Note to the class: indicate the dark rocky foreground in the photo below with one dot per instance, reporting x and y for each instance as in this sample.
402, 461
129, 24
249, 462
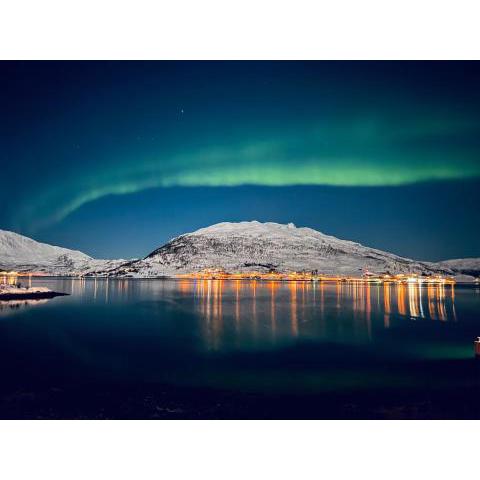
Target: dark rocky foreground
102, 401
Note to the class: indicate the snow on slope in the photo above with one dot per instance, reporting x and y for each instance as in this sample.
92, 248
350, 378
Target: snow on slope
255, 246
21, 253
235, 247
466, 266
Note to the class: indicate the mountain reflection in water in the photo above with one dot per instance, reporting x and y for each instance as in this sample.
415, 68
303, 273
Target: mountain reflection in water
8, 306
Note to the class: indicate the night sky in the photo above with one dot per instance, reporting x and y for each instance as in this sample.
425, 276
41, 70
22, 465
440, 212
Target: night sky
115, 158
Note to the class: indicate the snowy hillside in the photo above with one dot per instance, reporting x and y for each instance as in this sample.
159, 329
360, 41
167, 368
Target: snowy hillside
21, 253
233, 247
466, 266
255, 246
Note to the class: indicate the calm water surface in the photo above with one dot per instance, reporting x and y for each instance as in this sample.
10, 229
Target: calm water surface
248, 336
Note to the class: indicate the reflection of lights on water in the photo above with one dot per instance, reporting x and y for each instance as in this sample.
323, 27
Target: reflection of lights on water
300, 303
322, 299
441, 302
402, 310
8, 306
237, 303
412, 300
386, 304
431, 301
420, 293
293, 307
273, 286
274, 310
368, 311
253, 287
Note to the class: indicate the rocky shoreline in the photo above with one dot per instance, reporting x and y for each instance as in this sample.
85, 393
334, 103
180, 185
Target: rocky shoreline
14, 292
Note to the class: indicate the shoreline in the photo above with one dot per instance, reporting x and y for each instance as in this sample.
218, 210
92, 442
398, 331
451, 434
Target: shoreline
166, 401
31, 295
346, 280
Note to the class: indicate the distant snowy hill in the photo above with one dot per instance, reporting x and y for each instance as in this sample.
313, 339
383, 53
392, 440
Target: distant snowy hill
255, 246
21, 253
233, 247
466, 266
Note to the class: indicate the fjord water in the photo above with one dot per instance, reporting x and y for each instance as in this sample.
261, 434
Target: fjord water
256, 337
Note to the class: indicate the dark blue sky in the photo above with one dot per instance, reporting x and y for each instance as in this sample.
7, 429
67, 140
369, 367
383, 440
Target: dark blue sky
114, 158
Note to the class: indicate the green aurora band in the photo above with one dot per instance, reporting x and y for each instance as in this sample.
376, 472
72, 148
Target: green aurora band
364, 154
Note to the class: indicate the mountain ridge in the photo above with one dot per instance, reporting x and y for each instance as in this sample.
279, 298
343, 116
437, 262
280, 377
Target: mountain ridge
231, 246
465, 266
21, 253
247, 246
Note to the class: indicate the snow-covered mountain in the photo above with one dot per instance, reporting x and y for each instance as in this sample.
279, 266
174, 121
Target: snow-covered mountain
255, 246
233, 247
466, 266
21, 253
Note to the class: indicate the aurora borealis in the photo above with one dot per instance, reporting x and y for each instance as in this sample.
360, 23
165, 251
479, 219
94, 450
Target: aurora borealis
95, 137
